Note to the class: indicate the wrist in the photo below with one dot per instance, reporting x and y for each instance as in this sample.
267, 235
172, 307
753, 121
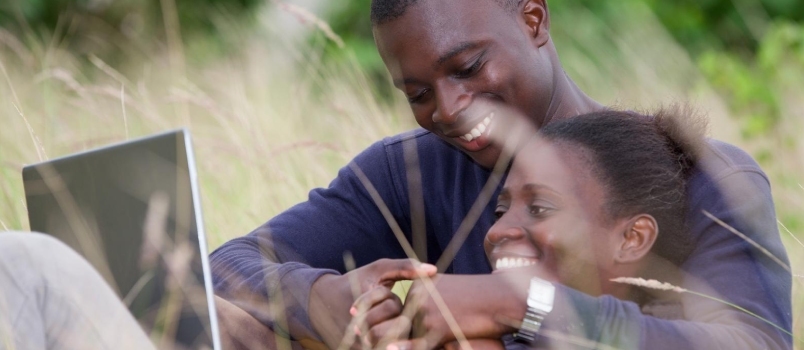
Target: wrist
510, 304
541, 297
328, 307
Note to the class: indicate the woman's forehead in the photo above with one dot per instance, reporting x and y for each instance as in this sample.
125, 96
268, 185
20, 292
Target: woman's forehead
562, 168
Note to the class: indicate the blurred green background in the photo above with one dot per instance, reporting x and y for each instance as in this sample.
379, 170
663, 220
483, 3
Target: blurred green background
280, 94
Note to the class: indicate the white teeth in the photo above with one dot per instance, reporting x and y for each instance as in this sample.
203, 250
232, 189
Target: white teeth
509, 263
478, 130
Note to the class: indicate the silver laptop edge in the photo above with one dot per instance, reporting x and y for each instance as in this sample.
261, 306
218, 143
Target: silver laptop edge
202, 240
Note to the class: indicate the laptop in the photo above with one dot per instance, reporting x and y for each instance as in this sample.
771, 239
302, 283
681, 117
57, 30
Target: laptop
133, 211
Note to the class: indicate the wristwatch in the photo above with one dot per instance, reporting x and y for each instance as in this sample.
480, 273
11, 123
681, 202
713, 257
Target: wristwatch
541, 295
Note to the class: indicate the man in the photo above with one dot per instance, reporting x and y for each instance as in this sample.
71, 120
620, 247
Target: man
458, 61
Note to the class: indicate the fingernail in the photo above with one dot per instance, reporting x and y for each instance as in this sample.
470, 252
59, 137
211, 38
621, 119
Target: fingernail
392, 347
353, 311
428, 268
357, 330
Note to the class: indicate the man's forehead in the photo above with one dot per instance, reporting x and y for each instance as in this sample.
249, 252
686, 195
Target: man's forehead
426, 32
383, 11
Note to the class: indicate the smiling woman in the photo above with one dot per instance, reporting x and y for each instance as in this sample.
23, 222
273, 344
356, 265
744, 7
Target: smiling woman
596, 197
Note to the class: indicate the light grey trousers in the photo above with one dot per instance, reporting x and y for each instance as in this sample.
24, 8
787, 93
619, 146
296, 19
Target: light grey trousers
51, 298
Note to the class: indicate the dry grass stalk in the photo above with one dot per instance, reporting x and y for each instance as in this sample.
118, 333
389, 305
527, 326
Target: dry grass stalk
649, 283
654, 284
749, 240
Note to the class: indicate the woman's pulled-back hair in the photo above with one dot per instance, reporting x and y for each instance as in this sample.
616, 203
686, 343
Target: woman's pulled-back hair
643, 162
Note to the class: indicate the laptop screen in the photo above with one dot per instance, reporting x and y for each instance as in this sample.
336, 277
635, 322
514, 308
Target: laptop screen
131, 211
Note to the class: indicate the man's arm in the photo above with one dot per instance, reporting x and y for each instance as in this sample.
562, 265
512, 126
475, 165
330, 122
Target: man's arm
270, 272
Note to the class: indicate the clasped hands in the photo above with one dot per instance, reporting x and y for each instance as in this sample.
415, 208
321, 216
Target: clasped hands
440, 311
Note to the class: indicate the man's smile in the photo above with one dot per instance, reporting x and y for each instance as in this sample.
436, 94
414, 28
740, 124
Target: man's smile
472, 137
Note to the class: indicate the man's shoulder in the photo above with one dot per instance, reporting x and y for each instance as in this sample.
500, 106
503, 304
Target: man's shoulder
721, 159
726, 172
391, 147
419, 135
429, 148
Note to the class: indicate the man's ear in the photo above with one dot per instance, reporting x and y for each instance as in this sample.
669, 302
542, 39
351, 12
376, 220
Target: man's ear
537, 20
638, 238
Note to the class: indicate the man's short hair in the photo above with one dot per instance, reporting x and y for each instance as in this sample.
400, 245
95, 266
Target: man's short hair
387, 10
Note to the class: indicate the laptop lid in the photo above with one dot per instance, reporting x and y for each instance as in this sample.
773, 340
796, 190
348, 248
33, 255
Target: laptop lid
133, 211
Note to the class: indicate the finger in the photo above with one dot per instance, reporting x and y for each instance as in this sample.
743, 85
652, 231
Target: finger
389, 331
476, 344
412, 344
391, 271
386, 310
373, 297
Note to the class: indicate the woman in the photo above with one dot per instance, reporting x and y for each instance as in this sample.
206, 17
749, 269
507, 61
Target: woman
588, 198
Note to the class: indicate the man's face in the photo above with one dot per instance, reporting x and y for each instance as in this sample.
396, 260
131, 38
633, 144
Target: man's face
455, 60
550, 214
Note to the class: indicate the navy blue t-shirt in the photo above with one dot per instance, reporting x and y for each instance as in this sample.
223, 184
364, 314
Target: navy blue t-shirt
288, 253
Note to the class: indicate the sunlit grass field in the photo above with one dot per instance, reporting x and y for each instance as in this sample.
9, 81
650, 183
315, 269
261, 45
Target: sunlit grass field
276, 118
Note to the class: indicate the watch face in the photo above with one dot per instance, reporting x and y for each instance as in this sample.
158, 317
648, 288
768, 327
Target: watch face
541, 295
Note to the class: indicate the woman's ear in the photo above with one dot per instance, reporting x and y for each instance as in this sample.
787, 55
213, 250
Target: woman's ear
638, 238
537, 20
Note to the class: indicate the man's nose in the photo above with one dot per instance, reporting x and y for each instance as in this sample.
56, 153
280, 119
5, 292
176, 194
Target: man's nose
502, 231
451, 101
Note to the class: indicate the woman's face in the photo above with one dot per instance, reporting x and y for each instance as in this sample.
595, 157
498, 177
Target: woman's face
550, 213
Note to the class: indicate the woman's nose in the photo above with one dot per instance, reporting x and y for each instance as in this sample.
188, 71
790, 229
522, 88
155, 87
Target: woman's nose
502, 231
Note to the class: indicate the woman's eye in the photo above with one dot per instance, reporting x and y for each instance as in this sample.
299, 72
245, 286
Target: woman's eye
538, 210
498, 213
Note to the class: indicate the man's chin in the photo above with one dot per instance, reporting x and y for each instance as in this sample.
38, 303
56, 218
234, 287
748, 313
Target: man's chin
487, 157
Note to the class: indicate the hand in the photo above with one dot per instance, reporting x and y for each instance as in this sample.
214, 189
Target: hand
481, 306
378, 314
477, 344
331, 296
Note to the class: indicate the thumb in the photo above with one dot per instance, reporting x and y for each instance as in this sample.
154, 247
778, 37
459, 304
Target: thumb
404, 269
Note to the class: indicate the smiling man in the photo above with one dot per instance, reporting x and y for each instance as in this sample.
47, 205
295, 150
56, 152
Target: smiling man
460, 63
452, 54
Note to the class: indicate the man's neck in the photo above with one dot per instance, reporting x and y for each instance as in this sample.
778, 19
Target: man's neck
568, 99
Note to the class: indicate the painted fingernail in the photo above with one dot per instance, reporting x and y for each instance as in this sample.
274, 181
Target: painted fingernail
353, 311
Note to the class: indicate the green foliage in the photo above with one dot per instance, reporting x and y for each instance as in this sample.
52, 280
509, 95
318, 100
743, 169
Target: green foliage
753, 86
98, 26
699, 24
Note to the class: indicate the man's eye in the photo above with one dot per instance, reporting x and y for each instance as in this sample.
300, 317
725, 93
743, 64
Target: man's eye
468, 72
418, 97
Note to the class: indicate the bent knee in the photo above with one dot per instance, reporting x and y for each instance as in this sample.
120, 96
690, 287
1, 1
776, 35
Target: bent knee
18, 241
30, 250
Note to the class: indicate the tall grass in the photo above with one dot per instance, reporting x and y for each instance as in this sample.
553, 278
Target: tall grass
276, 118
